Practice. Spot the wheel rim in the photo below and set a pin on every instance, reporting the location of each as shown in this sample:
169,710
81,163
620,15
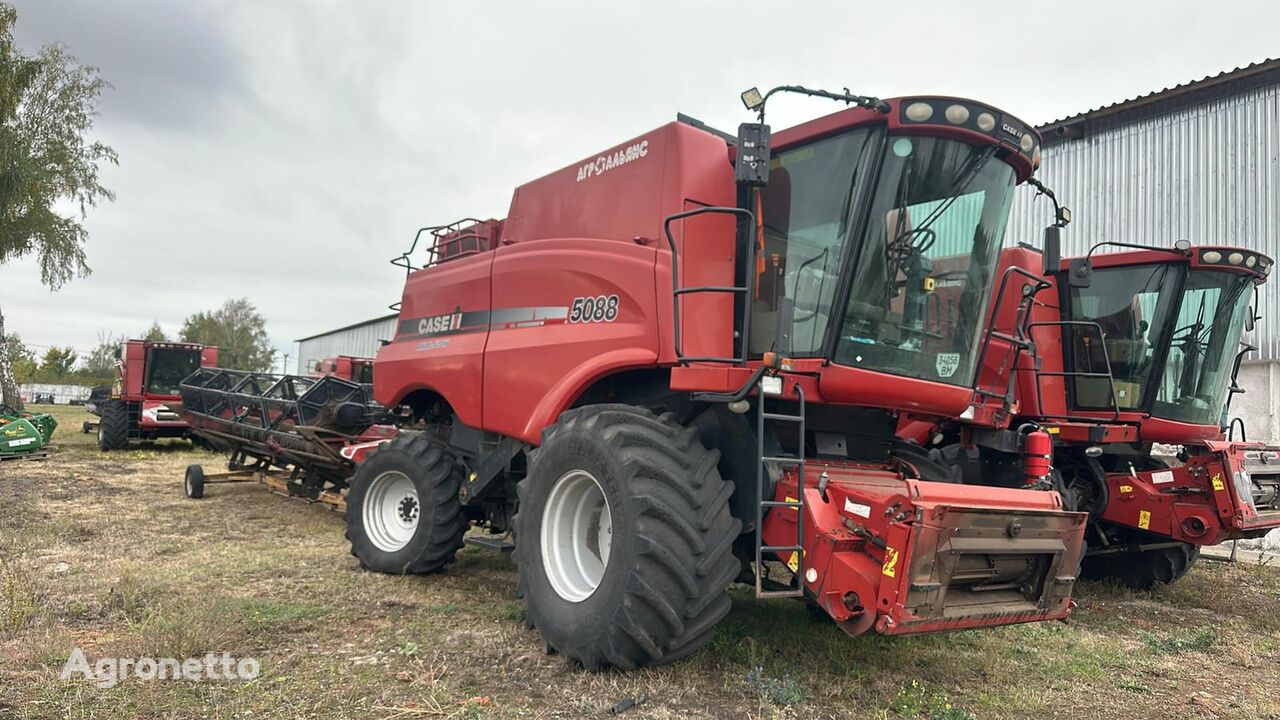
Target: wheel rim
577,535
391,510
102,435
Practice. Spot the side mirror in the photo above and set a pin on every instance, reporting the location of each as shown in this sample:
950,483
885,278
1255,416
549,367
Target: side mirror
1052,249
1081,272
119,352
752,165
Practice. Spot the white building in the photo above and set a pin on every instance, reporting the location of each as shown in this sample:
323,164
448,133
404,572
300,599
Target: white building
359,340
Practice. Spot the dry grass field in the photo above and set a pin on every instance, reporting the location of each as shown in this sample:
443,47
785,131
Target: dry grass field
103,552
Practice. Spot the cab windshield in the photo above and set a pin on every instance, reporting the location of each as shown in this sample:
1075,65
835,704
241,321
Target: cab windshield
167,368
1198,315
1195,379
925,263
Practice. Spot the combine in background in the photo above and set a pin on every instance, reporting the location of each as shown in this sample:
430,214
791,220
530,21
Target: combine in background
144,403
347,367
1094,362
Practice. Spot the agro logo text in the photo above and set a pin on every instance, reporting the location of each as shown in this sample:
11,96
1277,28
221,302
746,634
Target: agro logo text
440,323
605,163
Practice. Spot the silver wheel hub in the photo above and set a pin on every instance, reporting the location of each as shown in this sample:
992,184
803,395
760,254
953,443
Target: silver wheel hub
390,511
577,535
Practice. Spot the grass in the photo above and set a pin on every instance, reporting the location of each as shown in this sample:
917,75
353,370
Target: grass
103,552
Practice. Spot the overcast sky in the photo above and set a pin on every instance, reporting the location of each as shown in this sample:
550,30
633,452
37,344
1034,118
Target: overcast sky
285,151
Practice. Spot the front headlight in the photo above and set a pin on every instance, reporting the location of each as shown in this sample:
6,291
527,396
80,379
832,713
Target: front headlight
1244,488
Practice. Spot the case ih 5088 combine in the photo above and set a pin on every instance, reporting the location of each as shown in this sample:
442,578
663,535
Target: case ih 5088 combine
683,362
1105,356
144,403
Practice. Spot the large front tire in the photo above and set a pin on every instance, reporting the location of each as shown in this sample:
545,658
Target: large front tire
624,538
113,426
403,512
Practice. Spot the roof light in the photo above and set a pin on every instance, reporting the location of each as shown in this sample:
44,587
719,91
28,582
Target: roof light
752,98
1027,142
986,122
1182,245
1235,258
1211,256
957,114
919,111
1251,261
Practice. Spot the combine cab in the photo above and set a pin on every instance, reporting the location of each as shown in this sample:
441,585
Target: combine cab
144,403
1095,361
24,435
347,367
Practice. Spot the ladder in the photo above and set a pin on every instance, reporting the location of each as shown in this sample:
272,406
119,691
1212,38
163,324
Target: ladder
767,503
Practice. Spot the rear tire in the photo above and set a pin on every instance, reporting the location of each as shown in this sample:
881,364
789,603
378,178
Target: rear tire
193,482
403,512
113,427
1145,569
624,538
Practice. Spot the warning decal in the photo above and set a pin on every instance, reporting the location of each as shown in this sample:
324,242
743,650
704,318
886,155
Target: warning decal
890,562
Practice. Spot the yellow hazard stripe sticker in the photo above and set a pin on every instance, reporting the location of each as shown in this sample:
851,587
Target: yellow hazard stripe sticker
890,562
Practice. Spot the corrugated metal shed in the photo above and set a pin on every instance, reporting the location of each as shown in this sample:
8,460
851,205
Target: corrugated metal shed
1200,161
359,340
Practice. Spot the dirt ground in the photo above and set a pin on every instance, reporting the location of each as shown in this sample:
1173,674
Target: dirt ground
104,553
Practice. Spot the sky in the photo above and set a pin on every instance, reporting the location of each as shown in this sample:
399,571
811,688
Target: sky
285,151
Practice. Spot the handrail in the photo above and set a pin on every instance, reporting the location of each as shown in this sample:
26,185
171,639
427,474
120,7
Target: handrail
677,291
1106,357
404,260
1022,340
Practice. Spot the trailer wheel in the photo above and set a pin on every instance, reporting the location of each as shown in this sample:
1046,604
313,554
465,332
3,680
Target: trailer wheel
1144,569
113,427
403,512
625,538
193,483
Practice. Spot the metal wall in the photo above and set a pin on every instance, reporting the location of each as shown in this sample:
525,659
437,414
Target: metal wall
1209,173
359,341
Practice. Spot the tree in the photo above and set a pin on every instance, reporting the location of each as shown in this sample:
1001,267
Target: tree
58,361
101,361
238,330
17,357
155,333
47,107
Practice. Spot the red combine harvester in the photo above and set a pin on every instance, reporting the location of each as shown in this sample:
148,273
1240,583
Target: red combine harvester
1111,354
653,397
355,369
144,403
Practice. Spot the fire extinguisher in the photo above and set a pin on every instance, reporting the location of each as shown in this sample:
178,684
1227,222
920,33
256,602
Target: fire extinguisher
1037,457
